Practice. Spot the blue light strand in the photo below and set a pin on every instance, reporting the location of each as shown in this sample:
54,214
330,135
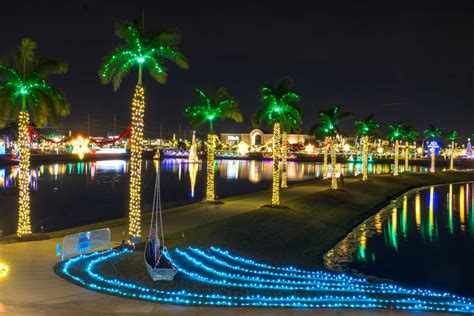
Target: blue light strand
446,302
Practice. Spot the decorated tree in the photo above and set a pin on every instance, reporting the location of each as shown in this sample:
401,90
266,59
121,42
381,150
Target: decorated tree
148,50
24,90
328,125
452,137
395,135
365,128
408,135
432,133
282,114
210,108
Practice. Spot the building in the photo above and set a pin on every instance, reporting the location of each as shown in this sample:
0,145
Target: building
258,138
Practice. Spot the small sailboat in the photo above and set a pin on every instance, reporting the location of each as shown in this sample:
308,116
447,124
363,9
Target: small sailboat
193,156
157,262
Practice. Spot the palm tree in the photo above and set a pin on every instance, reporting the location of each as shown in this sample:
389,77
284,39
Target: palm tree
24,90
453,136
395,135
142,49
408,135
209,108
328,125
433,133
282,113
366,127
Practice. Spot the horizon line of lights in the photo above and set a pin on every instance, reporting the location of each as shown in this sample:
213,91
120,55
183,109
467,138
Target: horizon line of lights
95,281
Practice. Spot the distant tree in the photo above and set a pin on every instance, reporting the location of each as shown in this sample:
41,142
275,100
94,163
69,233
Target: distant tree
408,135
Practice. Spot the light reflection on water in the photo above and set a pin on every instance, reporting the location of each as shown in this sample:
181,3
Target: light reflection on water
70,194
426,239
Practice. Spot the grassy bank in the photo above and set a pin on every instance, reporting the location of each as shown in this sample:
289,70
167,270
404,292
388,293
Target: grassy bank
314,224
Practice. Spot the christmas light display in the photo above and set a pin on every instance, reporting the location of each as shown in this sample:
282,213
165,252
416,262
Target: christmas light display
209,108
212,272
284,156
3,270
333,163
136,140
24,224
210,186
276,165
366,127
433,133
80,146
325,159
408,135
452,137
396,133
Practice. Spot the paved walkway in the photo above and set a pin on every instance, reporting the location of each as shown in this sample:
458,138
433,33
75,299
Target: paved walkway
32,288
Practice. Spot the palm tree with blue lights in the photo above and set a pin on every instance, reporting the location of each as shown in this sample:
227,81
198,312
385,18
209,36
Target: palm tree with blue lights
282,114
143,50
25,90
210,108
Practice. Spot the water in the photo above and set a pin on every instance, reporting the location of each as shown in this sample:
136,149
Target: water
72,194
427,240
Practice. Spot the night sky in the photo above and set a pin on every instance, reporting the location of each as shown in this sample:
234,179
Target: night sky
412,63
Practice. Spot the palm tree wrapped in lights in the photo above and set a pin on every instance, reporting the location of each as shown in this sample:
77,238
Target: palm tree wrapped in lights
452,137
395,135
24,90
432,133
209,108
408,135
328,126
147,50
366,127
282,113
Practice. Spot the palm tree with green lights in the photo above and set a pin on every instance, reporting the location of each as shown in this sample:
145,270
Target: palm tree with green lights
282,114
25,90
395,135
144,50
210,108
365,128
408,135
328,126
432,133
452,137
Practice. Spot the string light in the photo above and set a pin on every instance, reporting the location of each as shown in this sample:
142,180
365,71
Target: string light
215,271
325,159
210,186
24,222
365,154
276,165
3,270
136,140
333,163
284,154
80,146
396,155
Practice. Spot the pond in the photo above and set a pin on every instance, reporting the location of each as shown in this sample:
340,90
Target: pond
424,239
70,194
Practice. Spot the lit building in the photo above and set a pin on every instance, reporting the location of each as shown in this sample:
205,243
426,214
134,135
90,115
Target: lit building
258,138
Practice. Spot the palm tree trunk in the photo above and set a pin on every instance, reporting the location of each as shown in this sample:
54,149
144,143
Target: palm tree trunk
276,165
140,73
284,154
136,140
24,222
325,162
395,171
407,153
451,164
365,158
210,187
333,164
433,158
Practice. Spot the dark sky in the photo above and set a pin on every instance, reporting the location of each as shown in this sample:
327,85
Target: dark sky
412,63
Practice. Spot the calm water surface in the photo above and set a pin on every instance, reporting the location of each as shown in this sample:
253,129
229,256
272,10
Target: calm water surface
426,240
71,194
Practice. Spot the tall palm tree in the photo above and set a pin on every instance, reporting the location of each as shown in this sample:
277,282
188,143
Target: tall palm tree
24,90
282,113
452,137
328,125
141,49
366,127
209,108
432,133
408,135
395,135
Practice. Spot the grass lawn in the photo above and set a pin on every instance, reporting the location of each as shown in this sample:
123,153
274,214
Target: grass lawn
314,223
